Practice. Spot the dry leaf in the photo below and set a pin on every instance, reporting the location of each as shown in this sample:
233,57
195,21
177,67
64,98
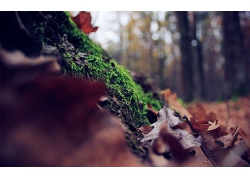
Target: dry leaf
146,129
151,114
103,98
173,102
16,68
55,122
198,126
83,22
166,115
213,126
197,111
227,140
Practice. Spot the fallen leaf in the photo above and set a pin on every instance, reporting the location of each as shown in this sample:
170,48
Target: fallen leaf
151,114
103,98
83,22
198,126
182,125
197,111
16,68
150,108
146,129
218,132
55,122
173,102
211,117
227,140
213,126
166,115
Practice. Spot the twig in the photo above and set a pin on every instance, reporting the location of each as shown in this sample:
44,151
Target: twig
228,114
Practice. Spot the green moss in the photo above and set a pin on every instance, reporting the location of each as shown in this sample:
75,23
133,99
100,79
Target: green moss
125,98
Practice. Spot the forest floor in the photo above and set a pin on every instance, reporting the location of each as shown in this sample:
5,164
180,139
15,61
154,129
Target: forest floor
230,113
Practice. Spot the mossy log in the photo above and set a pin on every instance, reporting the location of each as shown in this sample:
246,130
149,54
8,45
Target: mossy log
31,32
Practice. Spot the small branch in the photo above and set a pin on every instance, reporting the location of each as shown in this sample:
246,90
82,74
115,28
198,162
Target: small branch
228,114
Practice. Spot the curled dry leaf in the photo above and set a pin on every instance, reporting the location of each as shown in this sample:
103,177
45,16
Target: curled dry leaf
227,140
83,22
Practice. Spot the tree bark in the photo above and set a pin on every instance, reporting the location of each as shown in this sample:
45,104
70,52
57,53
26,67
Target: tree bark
232,50
199,60
186,57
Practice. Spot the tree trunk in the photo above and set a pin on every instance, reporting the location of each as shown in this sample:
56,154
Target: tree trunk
232,50
199,60
186,51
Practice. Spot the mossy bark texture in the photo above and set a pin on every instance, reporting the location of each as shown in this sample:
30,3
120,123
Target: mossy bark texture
80,57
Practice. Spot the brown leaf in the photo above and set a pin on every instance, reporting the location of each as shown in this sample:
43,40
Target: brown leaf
83,22
198,126
16,68
211,117
146,129
228,140
182,125
55,122
197,111
213,126
176,147
218,132
151,114
173,102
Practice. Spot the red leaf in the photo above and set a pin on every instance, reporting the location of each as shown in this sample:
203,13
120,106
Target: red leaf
83,22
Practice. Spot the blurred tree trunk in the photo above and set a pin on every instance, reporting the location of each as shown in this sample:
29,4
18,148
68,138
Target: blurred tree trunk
245,28
186,56
199,59
232,50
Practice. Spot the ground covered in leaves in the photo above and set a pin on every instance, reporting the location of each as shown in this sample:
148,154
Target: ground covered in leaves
230,114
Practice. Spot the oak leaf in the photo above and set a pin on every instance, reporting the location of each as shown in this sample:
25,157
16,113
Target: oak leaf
83,22
166,115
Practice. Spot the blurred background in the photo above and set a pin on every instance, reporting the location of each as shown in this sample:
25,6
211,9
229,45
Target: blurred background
200,55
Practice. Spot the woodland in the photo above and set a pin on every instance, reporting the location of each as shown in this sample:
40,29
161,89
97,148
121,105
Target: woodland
174,91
